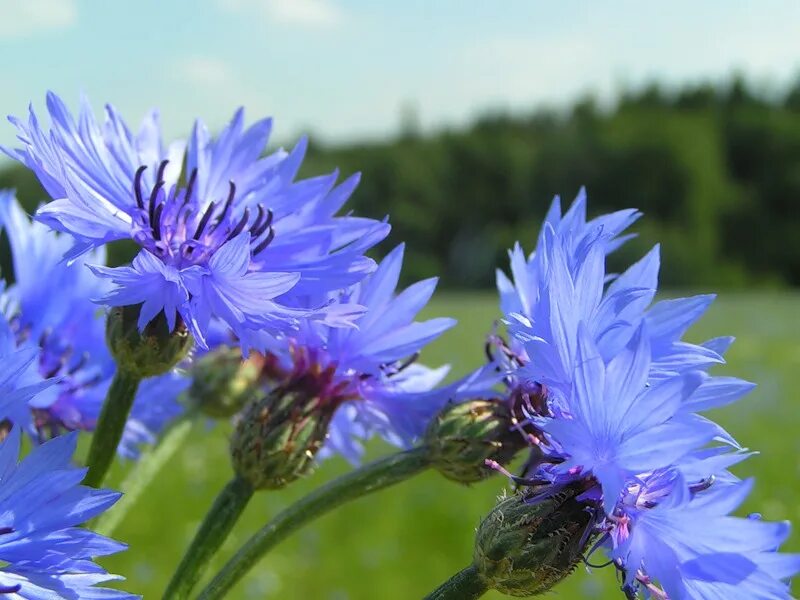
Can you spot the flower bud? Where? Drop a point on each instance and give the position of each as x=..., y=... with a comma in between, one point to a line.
x=463, y=436
x=223, y=383
x=526, y=546
x=277, y=437
x=154, y=351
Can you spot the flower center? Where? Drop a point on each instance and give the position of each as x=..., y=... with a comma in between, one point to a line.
x=173, y=225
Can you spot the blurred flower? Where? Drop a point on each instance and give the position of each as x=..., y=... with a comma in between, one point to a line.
x=50, y=309
x=19, y=379
x=371, y=378
x=44, y=552
x=226, y=239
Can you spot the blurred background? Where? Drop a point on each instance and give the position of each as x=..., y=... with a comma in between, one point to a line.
x=465, y=119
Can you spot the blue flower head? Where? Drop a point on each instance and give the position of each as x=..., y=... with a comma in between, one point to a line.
x=573, y=290
x=370, y=369
x=65, y=331
x=521, y=293
x=613, y=396
x=44, y=552
x=232, y=236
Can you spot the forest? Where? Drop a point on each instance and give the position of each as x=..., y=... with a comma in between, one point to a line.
x=716, y=169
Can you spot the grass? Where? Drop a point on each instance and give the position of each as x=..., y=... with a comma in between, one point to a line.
x=400, y=543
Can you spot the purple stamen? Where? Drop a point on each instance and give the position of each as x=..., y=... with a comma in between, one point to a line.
x=702, y=485
x=10, y=589
x=137, y=186
x=240, y=225
x=267, y=241
x=157, y=188
x=204, y=221
x=225, y=208
x=155, y=223
x=257, y=222
x=190, y=186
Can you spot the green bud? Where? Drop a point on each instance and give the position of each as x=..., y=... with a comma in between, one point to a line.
x=277, y=437
x=463, y=436
x=223, y=383
x=152, y=352
x=524, y=549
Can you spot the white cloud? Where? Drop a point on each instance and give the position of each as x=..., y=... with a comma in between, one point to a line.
x=205, y=71
x=316, y=14
x=19, y=18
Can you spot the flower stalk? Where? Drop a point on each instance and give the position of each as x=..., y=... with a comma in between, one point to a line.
x=464, y=585
x=373, y=477
x=110, y=426
x=216, y=526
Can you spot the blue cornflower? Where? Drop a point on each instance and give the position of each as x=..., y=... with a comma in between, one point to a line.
x=520, y=294
x=228, y=238
x=20, y=381
x=614, y=426
x=688, y=543
x=573, y=291
x=611, y=395
x=44, y=552
x=370, y=370
x=659, y=495
x=66, y=330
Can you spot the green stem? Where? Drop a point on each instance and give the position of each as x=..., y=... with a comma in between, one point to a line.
x=110, y=426
x=464, y=585
x=146, y=469
x=216, y=526
x=359, y=482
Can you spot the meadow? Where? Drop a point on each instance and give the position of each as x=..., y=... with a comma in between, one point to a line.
x=402, y=542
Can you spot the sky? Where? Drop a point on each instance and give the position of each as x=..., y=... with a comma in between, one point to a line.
x=348, y=69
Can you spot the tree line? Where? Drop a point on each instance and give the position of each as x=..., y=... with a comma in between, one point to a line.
x=715, y=169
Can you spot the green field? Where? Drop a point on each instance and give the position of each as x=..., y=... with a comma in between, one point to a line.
x=400, y=543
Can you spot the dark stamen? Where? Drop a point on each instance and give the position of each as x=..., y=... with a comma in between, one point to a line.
x=267, y=241
x=190, y=186
x=10, y=589
x=137, y=186
x=240, y=225
x=487, y=349
x=155, y=224
x=257, y=230
x=80, y=364
x=153, y=197
x=225, y=208
x=156, y=188
x=229, y=201
x=402, y=366
x=257, y=223
x=161, y=168
x=6, y=530
x=702, y=485
x=204, y=221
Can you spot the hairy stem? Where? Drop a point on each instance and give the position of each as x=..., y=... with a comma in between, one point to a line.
x=215, y=528
x=355, y=484
x=110, y=426
x=464, y=585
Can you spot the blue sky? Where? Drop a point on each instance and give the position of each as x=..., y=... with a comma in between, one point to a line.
x=345, y=68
